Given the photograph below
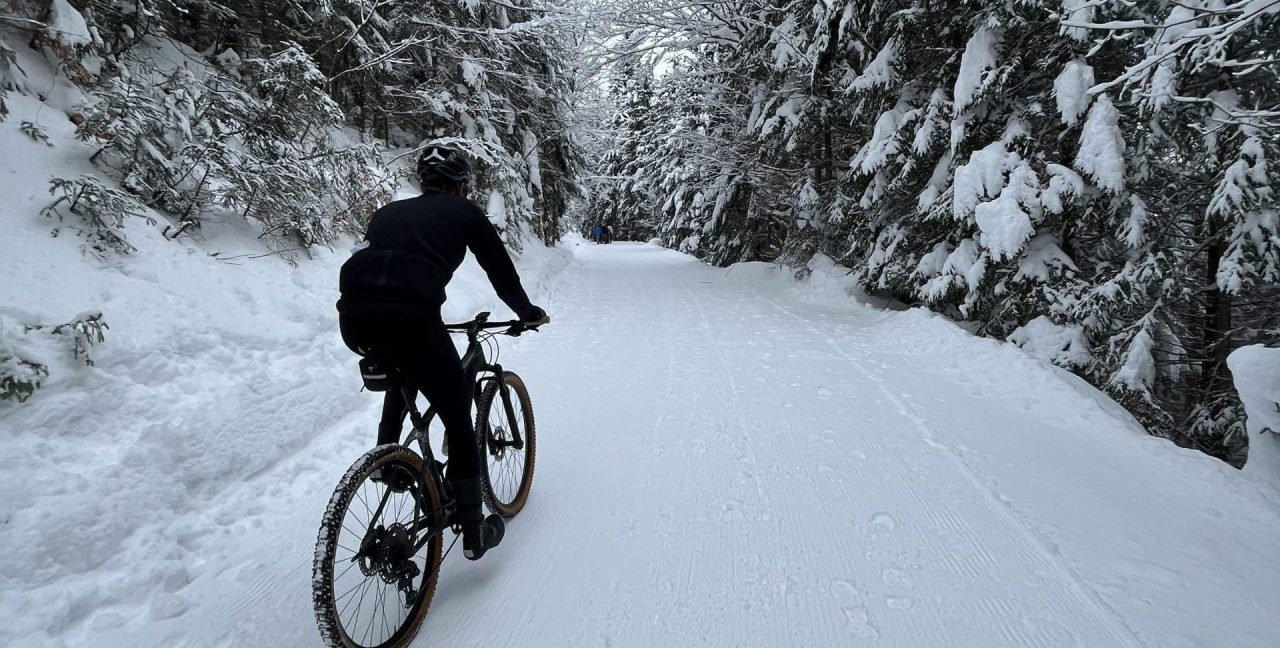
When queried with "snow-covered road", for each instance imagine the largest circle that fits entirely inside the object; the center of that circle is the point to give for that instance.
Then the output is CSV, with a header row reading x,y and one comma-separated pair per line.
x,y
732,458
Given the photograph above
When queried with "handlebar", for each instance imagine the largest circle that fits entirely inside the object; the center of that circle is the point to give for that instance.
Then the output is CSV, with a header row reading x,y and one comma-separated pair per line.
x,y
482,323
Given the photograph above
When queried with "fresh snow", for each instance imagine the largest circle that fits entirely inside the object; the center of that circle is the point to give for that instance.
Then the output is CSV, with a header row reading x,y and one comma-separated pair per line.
x,y
937,183
1005,226
879,72
1101,154
1255,370
472,73
1071,89
978,60
1061,345
1133,232
1075,14
883,144
727,458
1042,257
981,176
67,24
1005,222
1137,370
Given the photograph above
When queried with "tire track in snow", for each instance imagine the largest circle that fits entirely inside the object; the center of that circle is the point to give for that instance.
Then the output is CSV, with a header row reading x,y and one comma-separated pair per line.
x,y
833,585
768,583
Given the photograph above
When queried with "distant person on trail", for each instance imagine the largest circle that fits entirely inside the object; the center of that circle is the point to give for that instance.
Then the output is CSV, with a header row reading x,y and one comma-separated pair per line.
x,y
596,233
392,290
608,233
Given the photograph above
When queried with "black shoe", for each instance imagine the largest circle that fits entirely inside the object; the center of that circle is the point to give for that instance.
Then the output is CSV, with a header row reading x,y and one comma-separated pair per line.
x,y
479,534
480,537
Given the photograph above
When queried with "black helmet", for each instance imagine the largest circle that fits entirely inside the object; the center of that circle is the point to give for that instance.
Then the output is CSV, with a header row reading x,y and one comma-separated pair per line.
x,y
443,162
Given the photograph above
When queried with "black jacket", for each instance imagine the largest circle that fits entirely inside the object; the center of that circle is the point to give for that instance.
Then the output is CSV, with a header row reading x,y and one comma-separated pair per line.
x,y
415,246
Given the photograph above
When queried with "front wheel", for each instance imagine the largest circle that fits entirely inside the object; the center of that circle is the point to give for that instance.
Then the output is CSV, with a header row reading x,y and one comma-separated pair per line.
x,y
375,568
508,439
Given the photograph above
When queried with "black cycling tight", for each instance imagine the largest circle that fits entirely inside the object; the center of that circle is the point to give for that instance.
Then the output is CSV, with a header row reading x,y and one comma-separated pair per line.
x,y
424,352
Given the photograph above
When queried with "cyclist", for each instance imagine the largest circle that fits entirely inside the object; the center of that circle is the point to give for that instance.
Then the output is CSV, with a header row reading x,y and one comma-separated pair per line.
x,y
391,293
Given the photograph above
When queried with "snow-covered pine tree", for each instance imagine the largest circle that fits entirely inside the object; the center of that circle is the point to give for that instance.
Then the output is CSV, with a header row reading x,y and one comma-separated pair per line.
x,y
8,68
1202,88
491,75
1097,173
196,139
618,194
726,192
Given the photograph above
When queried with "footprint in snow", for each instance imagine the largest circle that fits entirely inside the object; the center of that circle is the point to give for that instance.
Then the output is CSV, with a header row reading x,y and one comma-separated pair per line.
x,y
168,606
883,521
899,602
897,578
825,436
848,598
106,621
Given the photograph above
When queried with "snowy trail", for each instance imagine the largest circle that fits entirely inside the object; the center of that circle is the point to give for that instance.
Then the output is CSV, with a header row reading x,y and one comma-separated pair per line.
x,y
726,459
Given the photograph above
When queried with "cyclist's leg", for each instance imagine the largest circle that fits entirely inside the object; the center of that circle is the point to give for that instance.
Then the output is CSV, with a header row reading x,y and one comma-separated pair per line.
x,y
360,334
444,382
394,409
439,375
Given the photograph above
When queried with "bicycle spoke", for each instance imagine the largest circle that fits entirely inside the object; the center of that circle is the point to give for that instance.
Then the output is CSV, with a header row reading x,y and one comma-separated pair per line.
x,y
360,494
362,582
344,571
379,600
386,626
362,586
357,535
373,614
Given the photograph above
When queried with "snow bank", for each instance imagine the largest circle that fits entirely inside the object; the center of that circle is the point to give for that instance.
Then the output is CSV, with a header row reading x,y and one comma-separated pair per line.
x,y
1151,533
222,360
1050,347
1255,370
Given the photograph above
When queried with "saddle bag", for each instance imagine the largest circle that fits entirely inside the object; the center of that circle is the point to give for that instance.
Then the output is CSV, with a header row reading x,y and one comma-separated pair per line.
x,y
374,375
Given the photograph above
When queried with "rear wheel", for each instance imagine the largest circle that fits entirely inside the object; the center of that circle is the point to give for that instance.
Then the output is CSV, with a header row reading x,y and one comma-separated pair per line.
x,y
374,575
509,444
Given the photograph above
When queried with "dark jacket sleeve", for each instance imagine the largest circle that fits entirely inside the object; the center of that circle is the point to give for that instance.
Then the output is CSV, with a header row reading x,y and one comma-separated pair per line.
x,y
486,244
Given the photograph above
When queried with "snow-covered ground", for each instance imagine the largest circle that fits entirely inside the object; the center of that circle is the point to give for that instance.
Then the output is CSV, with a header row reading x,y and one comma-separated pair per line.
x,y
726,458
222,362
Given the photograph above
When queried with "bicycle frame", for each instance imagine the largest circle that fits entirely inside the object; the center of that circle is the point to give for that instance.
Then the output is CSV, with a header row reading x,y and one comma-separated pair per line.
x,y
380,550
477,371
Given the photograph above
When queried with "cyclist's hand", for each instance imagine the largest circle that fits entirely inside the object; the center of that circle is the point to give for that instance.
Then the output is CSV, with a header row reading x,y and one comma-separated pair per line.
x,y
535,317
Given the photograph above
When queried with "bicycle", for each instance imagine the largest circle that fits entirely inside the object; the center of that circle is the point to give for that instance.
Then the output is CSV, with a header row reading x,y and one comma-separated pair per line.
x,y
398,548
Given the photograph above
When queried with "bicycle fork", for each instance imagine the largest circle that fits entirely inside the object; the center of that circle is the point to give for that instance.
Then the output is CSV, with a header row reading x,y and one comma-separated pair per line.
x,y
508,410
